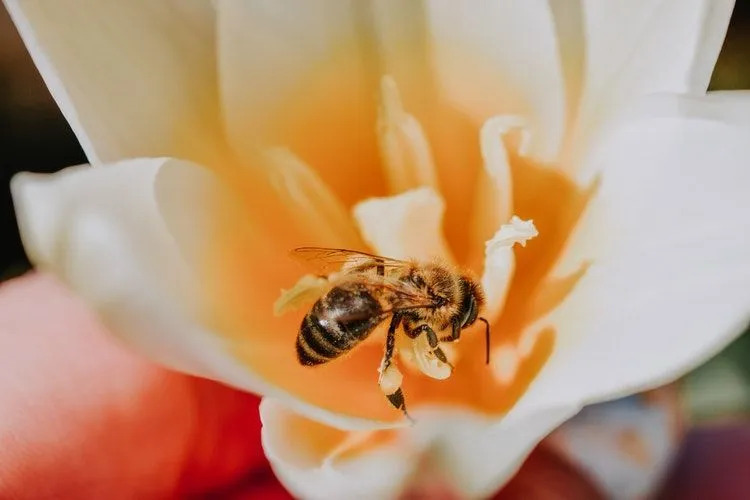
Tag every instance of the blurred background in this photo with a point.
(34, 136)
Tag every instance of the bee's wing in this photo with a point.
(408, 296)
(327, 260)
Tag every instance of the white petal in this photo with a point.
(632, 48)
(101, 231)
(133, 78)
(265, 51)
(624, 446)
(478, 44)
(499, 262)
(378, 474)
(405, 226)
(668, 237)
(478, 455)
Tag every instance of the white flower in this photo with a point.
(226, 133)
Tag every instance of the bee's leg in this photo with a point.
(455, 332)
(432, 339)
(413, 333)
(390, 376)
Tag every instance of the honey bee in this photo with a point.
(423, 299)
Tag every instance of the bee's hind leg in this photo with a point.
(390, 376)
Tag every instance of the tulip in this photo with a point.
(223, 134)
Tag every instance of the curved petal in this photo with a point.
(99, 230)
(635, 48)
(239, 252)
(625, 446)
(133, 78)
(102, 232)
(478, 455)
(668, 237)
(459, 451)
(405, 226)
(295, 75)
(487, 64)
(315, 461)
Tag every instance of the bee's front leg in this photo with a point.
(432, 339)
(455, 332)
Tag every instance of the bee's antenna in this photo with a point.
(486, 338)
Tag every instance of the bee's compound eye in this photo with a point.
(470, 311)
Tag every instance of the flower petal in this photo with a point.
(635, 48)
(404, 148)
(668, 238)
(487, 64)
(99, 230)
(623, 446)
(102, 232)
(476, 455)
(405, 226)
(239, 253)
(292, 74)
(311, 459)
(133, 78)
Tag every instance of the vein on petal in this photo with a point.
(311, 202)
(405, 151)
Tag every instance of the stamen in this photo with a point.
(404, 147)
(306, 291)
(499, 262)
(493, 199)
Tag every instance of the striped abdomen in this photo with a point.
(337, 322)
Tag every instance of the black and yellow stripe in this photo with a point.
(315, 345)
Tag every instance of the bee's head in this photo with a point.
(471, 302)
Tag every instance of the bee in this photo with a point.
(430, 302)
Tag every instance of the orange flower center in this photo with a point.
(329, 127)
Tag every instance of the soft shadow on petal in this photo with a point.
(483, 68)
(635, 48)
(133, 78)
(668, 237)
(316, 461)
(298, 75)
(623, 446)
(477, 454)
(405, 226)
(100, 231)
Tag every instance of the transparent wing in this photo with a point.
(403, 294)
(326, 260)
